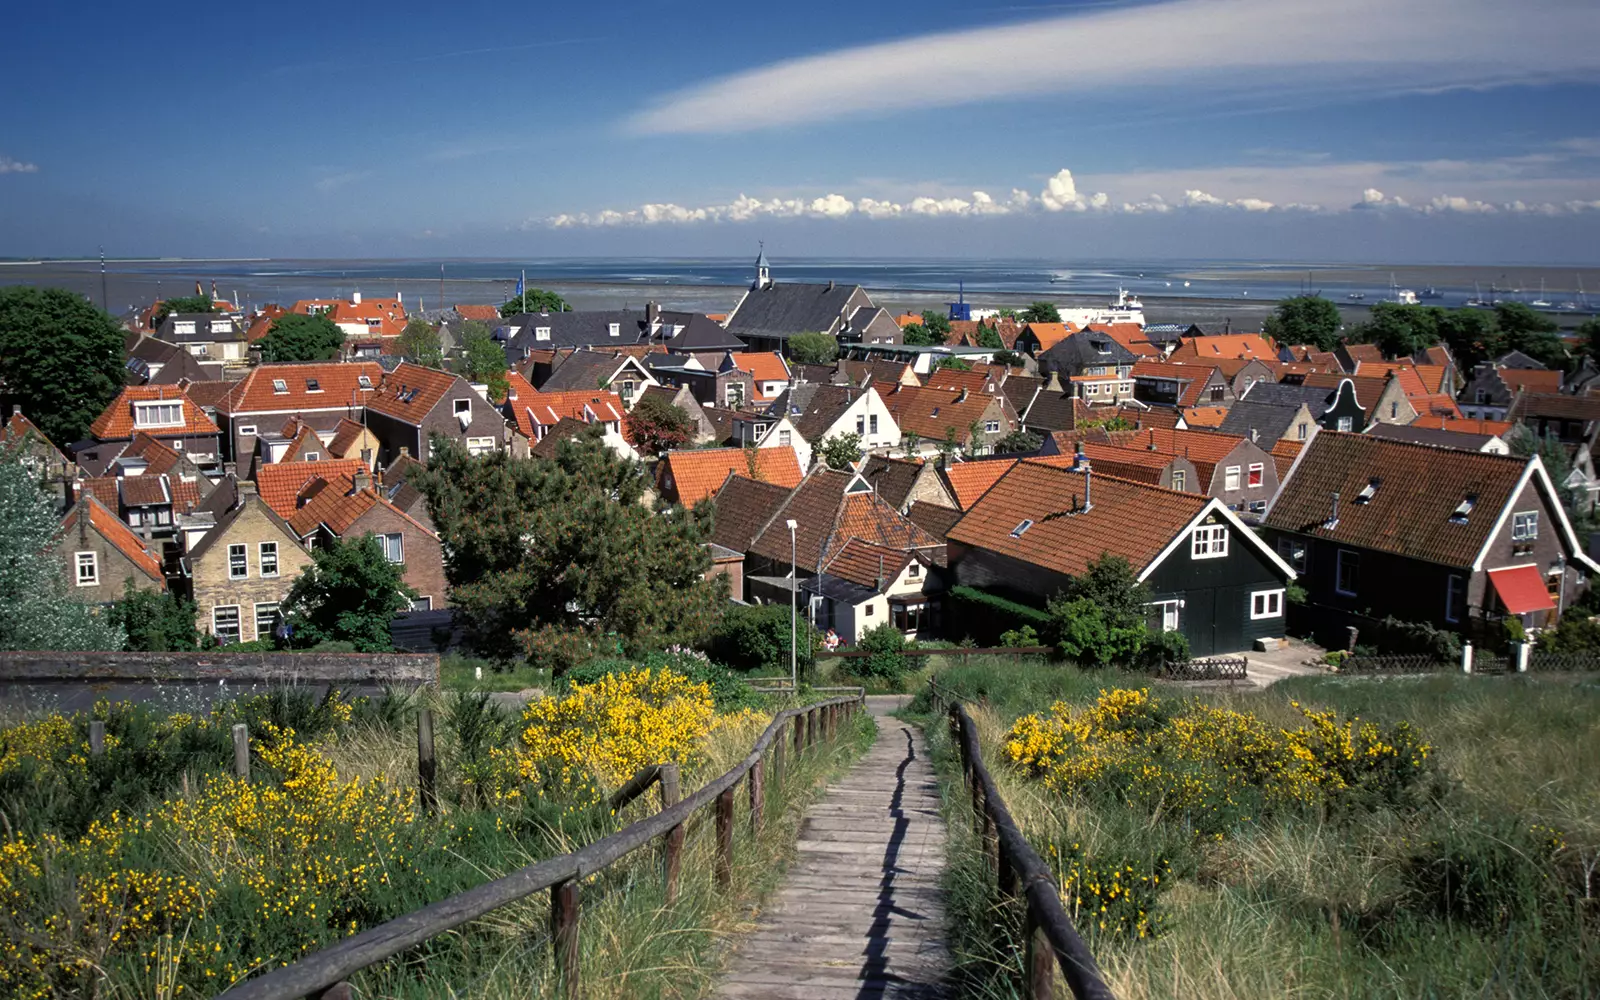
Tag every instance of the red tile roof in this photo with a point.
(1430, 378)
(1205, 416)
(1462, 424)
(1531, 379)
(1194, 375)
(1358, 353)
(116, 420)
(1132, 520)
(868, 565)
(338, 505)
(697, 474)
(345, 436)
(979, 379)
(764, 366)
(531, 409)
(1049, 334)
(410, 392)
(1235, 345)
(20, 427)
(111, 528)
(280, 483)
(1203, 448)
(337, 385)
(1284, 452)
(932, 413)
(481, 313)
(969, 480)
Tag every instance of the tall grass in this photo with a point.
(1485, 887)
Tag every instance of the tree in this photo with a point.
(1011, 359)
(1100, 619)
(841, 451)
(535, 300)
(37, 608)
(1041, 312)
(155, 621)
(184, 304)
(1399, 331)
(656, 425)
(1588, 334)
(917, 335)
(1532, 333)
(298, 337)
(60, 359)
(887, 645)
(349, 593)
(937, 324)
(563, 547)
(955, 364)
(1305, 319)
(1472, 335)
(989, 337)
(483, 359)
(813, 348)
(1019, 442)
(420, 344)
(757, 638)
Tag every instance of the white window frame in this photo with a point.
(1266, 604)
(1346, 424)
(247, 430)
(271, 622)
(264, 552)
(1256, 475)
(1455, 596)
(480, 445)
(461, 406)
(541, 333)
(183, 327)
(244, 561)
(1180, 480)
(614, 329)
(1338, 572)
(140, 409)
(1525, 526)
(423, 603)
(992, 427)
(1209, 541)
(785, 438)
(1169, 613)
(872, 423)
(393, 544)
(1230, 478)
(313, 456)
(93, 565)
(280, 387)
(238, 622)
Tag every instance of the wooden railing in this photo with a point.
(323, 973)
(1050, 939)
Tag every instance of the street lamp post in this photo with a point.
(794, 629)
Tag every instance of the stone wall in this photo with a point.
(324, 668)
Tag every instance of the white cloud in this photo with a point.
(10, 166)
(1456, 203)
(833, 206)
(1227, 47)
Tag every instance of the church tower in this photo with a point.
(763, 272)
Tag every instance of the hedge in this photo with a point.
(982, 616)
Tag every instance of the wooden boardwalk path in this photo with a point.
(861, 913)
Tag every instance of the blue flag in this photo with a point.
(519, 287)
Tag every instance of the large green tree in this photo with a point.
(298, 337)
(1399, 331)
(842, 451)
(184, 304)
(918, 335)
(1040, 312)
(349, 593)
(483, 359)
(419, 344)
(1532, 333)
(1099, 620)
(989, 337)
(539, 547)
(937, 324)
(1588, 334)
(60, 358)
(813, 348)
(1305, 319)
(37, 607)
(535, 300)
(155, 621)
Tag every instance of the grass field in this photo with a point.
(1198, 872)
(150, 871)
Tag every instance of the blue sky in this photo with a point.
(1393, 130)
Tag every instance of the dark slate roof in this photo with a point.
(1021, 389)
(658, 359)
(572, 329)
(699, 333)
(1435, 436)
(1051, 411)
(783, 309)
(1161, 334)
(935, 520)
(584, 370)
(1516, 359)
(227, 328)
(176, 364)
(893, 478)
(1288, 394)
(1267, 421)
(1087, 348)
(742, 508)
(814, 408)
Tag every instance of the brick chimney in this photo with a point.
(363, 481)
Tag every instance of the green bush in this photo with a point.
(757, 638)
(1577, 633)
(887, 646)
(1024, 636)
(986, 617)
(729, 690)
(1163, 647)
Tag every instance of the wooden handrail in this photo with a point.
(332, 965)
(1022, 871)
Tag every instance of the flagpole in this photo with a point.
(103, 278)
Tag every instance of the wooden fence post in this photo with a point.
(338, 991)
(673, 840)
(241, 750)
(564, 934)
(1008, 875)
(799, 736)
(427, 766)
(97, 737)
(758, 802)
(1039, 960)
(724, 863)
(812, 734)
(777, 761)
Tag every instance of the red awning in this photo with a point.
(1522, 589)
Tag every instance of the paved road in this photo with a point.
(861, 913)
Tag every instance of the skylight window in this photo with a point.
(1371, 490)
(279, 385)
(312, 385)
(1020, 529)
(1464, 508)
(365, 381)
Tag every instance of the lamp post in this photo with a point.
(794, 594)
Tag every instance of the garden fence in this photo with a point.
(323, 974)
(1218, 668)
(1048, 931)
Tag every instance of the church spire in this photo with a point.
(763, 271)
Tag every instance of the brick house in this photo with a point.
(349, 506)
(241, 570)
(974, 421)
(1234, 470)
(163, 412)
(532, 414)
(42, 458)
(415, 403)
(319, 396)
(903, 482)
(102, 555)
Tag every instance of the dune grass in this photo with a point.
(1484, 884)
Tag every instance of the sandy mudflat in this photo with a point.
(1557, 280)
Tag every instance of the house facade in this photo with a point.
(241, 570)
(321, 396)
(102, 556)
(414, 403)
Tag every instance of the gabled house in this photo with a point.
(1139, 465)
(532, 413)
(350, 506)
(689, 477)
(156, 362)
(819, 412)
(1222, 347)
(43, 459)
(1086, 352)
(931, 419)
(216, 340)
(1422, 385)
(903, 482)
(415, 403)
(865, 585)
(1039, 526)
(161, 411)
(683, 398)
(1037, 338)
(588, 371)
(318, 395)
(285, 486)
(769, 374)
(149, 486)
(1267, 423)
(721, 385)
(241, 569)
(1351, 355)
(743, 507)
(102, 556)
(772, 311)
(1233, 470)
(1383, 400)
(1494, 384)
(1425, 534)
(1181, 386)
(1335, 409)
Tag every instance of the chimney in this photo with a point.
(355, 299)
(830, 284)
(1054, 385)
(405, 452)
(363, 481)
(1152, 439)
(652, 313)
(963, 397)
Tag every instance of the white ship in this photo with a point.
(1127, 309)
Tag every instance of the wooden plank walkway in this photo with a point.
(861, 913)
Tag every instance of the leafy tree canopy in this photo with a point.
(1011, 359)
(535, 300)
(936, 323)
(1589, 336)
(37, 608)
(483, 359)
(1305, 319)
(420, 344)
(535, 546)
(757, 638)
(1100, 619)
(1532, 333)
(1019, 442)
(349, 593)
(813, 348)
(841, 451)
(1041, 312)
(155, 621)
(955, 364)
(1399, 331)
(60, 358)
(184, 304)
(989, 337)
(918, 335)
(656, 425)
(297, 337)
